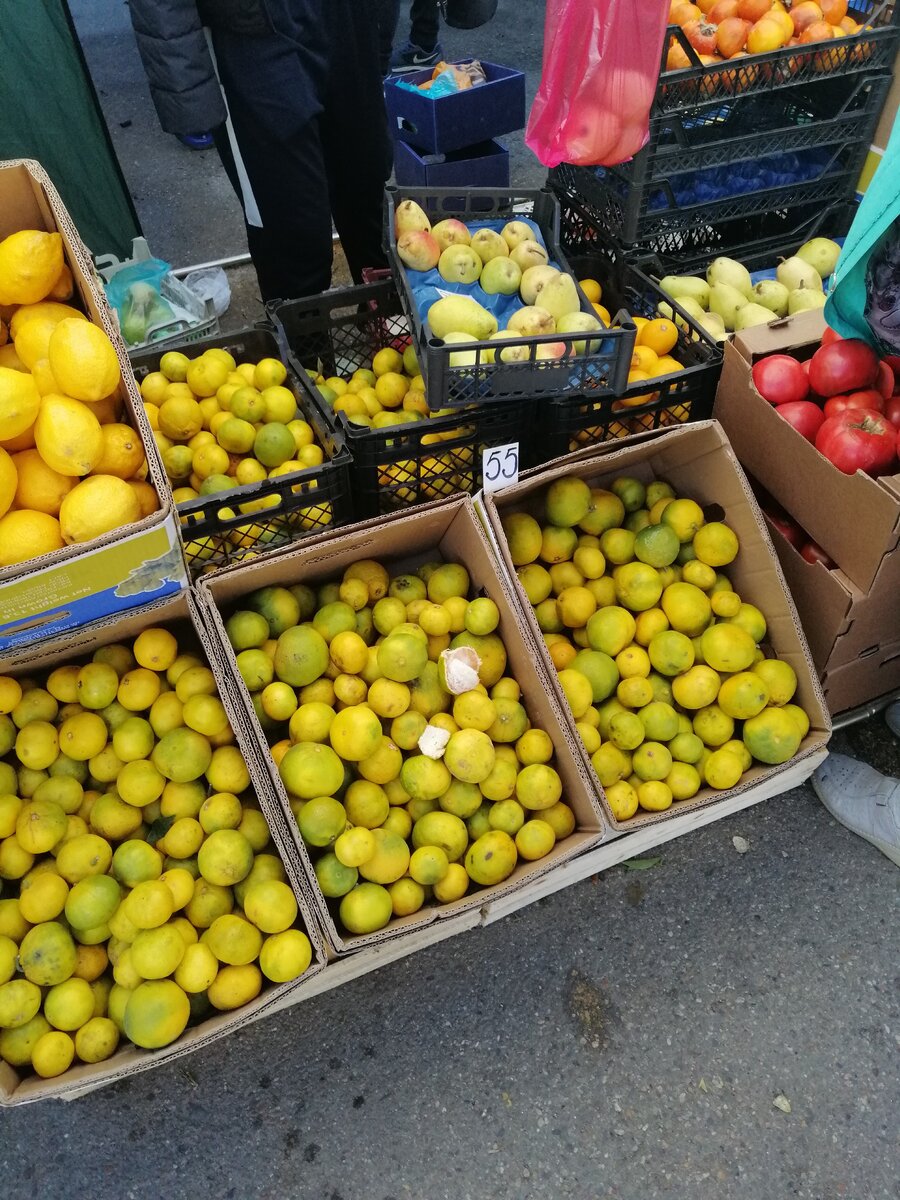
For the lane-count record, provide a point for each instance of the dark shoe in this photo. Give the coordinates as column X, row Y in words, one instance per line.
column 196, row 141
column 409, row 58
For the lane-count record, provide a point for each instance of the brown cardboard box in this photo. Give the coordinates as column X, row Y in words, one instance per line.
column 846, row 628
column 698, row 461
column 130, row 566
column 451, row 530
column 854, row 518
column 129, row 1060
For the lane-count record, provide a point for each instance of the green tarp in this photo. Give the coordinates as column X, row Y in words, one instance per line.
column 49, row 111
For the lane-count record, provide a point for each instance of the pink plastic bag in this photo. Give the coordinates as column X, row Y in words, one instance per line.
column 600, row 69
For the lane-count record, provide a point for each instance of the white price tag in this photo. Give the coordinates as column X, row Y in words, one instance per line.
column 500, row 467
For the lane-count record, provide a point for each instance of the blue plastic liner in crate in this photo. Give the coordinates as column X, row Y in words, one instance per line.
column 603, row 365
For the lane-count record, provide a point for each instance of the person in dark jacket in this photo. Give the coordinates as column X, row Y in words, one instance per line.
column 292, row 92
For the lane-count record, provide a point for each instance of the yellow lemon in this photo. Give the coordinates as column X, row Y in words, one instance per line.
column 67, row 435
column 96, row 506
column 38, row 486
column 31, row 261
column 25, row 534
column 83, row 360
column 19, row 403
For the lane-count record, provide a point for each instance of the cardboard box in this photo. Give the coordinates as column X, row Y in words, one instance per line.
column 441, row 124
column 846, row 628
column 854, row 518
column 451, row 530
column 698, row 462
column 129, row 1060
column 130, row 566
column 484, row 165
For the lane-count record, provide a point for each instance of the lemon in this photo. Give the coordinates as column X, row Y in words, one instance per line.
column 271, row 906
column 52, row 1054
column 779, row 677
column 70, row 1004
column 92, row 901
column 149, row 904
column 47, row 954
column 25, row 534
column 31, row 261
column 333, row 877
column 96, row 506
column 772, row 736
column 285, row 956
column 19, row 403
column 197, row 969
column 83, row 360
column 366, row 909
column 32, row 346
column 67, row 435
column 535, row 839
column 622, row 799
column 38, row 486
column 716, row 544
column 713, row 726
column 684, row 517
column 156, row 1014
column 20, row 1001
column 96, row 1040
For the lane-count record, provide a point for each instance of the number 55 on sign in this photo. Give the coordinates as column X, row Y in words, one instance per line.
column 500, row 467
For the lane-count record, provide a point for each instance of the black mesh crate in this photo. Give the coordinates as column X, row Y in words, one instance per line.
column 722, row 162
column 602, row 370
column 220, row 528
column 872, row 49
column 398, row 465
column 755, row 241
column 567, row 423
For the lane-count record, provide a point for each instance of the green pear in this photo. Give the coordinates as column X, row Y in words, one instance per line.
column 726, row 300
column 803, row 299
column 559, row 296
column 501, row 274
column 686, row 286
column 753, row 314
column 692, row 307
column 533, row 279
column 461, row 314
column 714, row 325
column 772, row 295
column 731, row 272
column 461, row 358
column 821, row 253
column 795, row 272
column 579, row 322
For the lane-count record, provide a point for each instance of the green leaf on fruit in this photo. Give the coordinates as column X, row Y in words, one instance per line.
column 159, row 829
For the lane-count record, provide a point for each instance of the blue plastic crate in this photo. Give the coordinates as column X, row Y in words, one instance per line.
column 463, row 119
column 484, row 165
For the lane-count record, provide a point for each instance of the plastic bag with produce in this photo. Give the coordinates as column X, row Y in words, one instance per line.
column 600, row 69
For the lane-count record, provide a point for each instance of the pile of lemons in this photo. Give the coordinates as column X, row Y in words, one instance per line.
column 70, row 468
column 660, row 660
column 408, row 756
column 141, row 889
column 220, row 424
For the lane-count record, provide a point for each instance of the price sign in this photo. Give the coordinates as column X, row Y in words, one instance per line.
column 500, row 467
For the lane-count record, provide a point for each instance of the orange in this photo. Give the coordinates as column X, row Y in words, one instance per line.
column 660, row 335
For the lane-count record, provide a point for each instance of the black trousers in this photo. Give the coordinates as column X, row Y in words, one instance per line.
column 425, row 26
column 305, row 170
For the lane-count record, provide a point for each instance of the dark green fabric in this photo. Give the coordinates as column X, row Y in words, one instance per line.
column 49, row 112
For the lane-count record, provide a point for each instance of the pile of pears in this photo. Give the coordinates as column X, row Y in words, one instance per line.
column 727, row 300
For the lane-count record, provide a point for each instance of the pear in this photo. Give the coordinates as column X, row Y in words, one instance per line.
column 795, row 273
column 488, row 244
column 731, row 272
column 451, row 232
column 511, row 353
column 803, row 299
column 692, row 307
column 410, row 218
column 531, row 320
column 714, row 325
column 771, row 294
column 559, row 296
column 726, row 301
column 528, row 254
column 458, row 264
column 687, row 286
column 501, row 275
column 579, row 322
column 516, row 232
column 461, row 358
column 821, row 253
column 418, row 250
column 461, row 314
column 533, row 279
column 753, row 314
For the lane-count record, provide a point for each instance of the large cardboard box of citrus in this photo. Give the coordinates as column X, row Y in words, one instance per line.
column 130, row 565
column 112, row 852
column 679, row 675
column 374, row 731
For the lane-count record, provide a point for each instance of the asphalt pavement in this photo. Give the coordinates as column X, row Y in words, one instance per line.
column 626, row 1038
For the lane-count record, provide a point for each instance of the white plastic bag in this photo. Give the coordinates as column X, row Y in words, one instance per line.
column 210, row 283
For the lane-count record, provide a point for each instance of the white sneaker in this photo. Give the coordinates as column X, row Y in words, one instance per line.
column 863, row 799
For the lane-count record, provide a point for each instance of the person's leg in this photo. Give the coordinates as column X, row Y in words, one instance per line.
column 281, row 182
column 388, row 19
column 425, row 24
column 356, row 145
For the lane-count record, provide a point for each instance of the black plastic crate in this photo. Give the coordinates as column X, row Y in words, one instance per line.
column 656, row 195
column 755, row 241
column 873, row 49
column 399, row 465
column 567, row 423
column 214, row 530
column 602, row 370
